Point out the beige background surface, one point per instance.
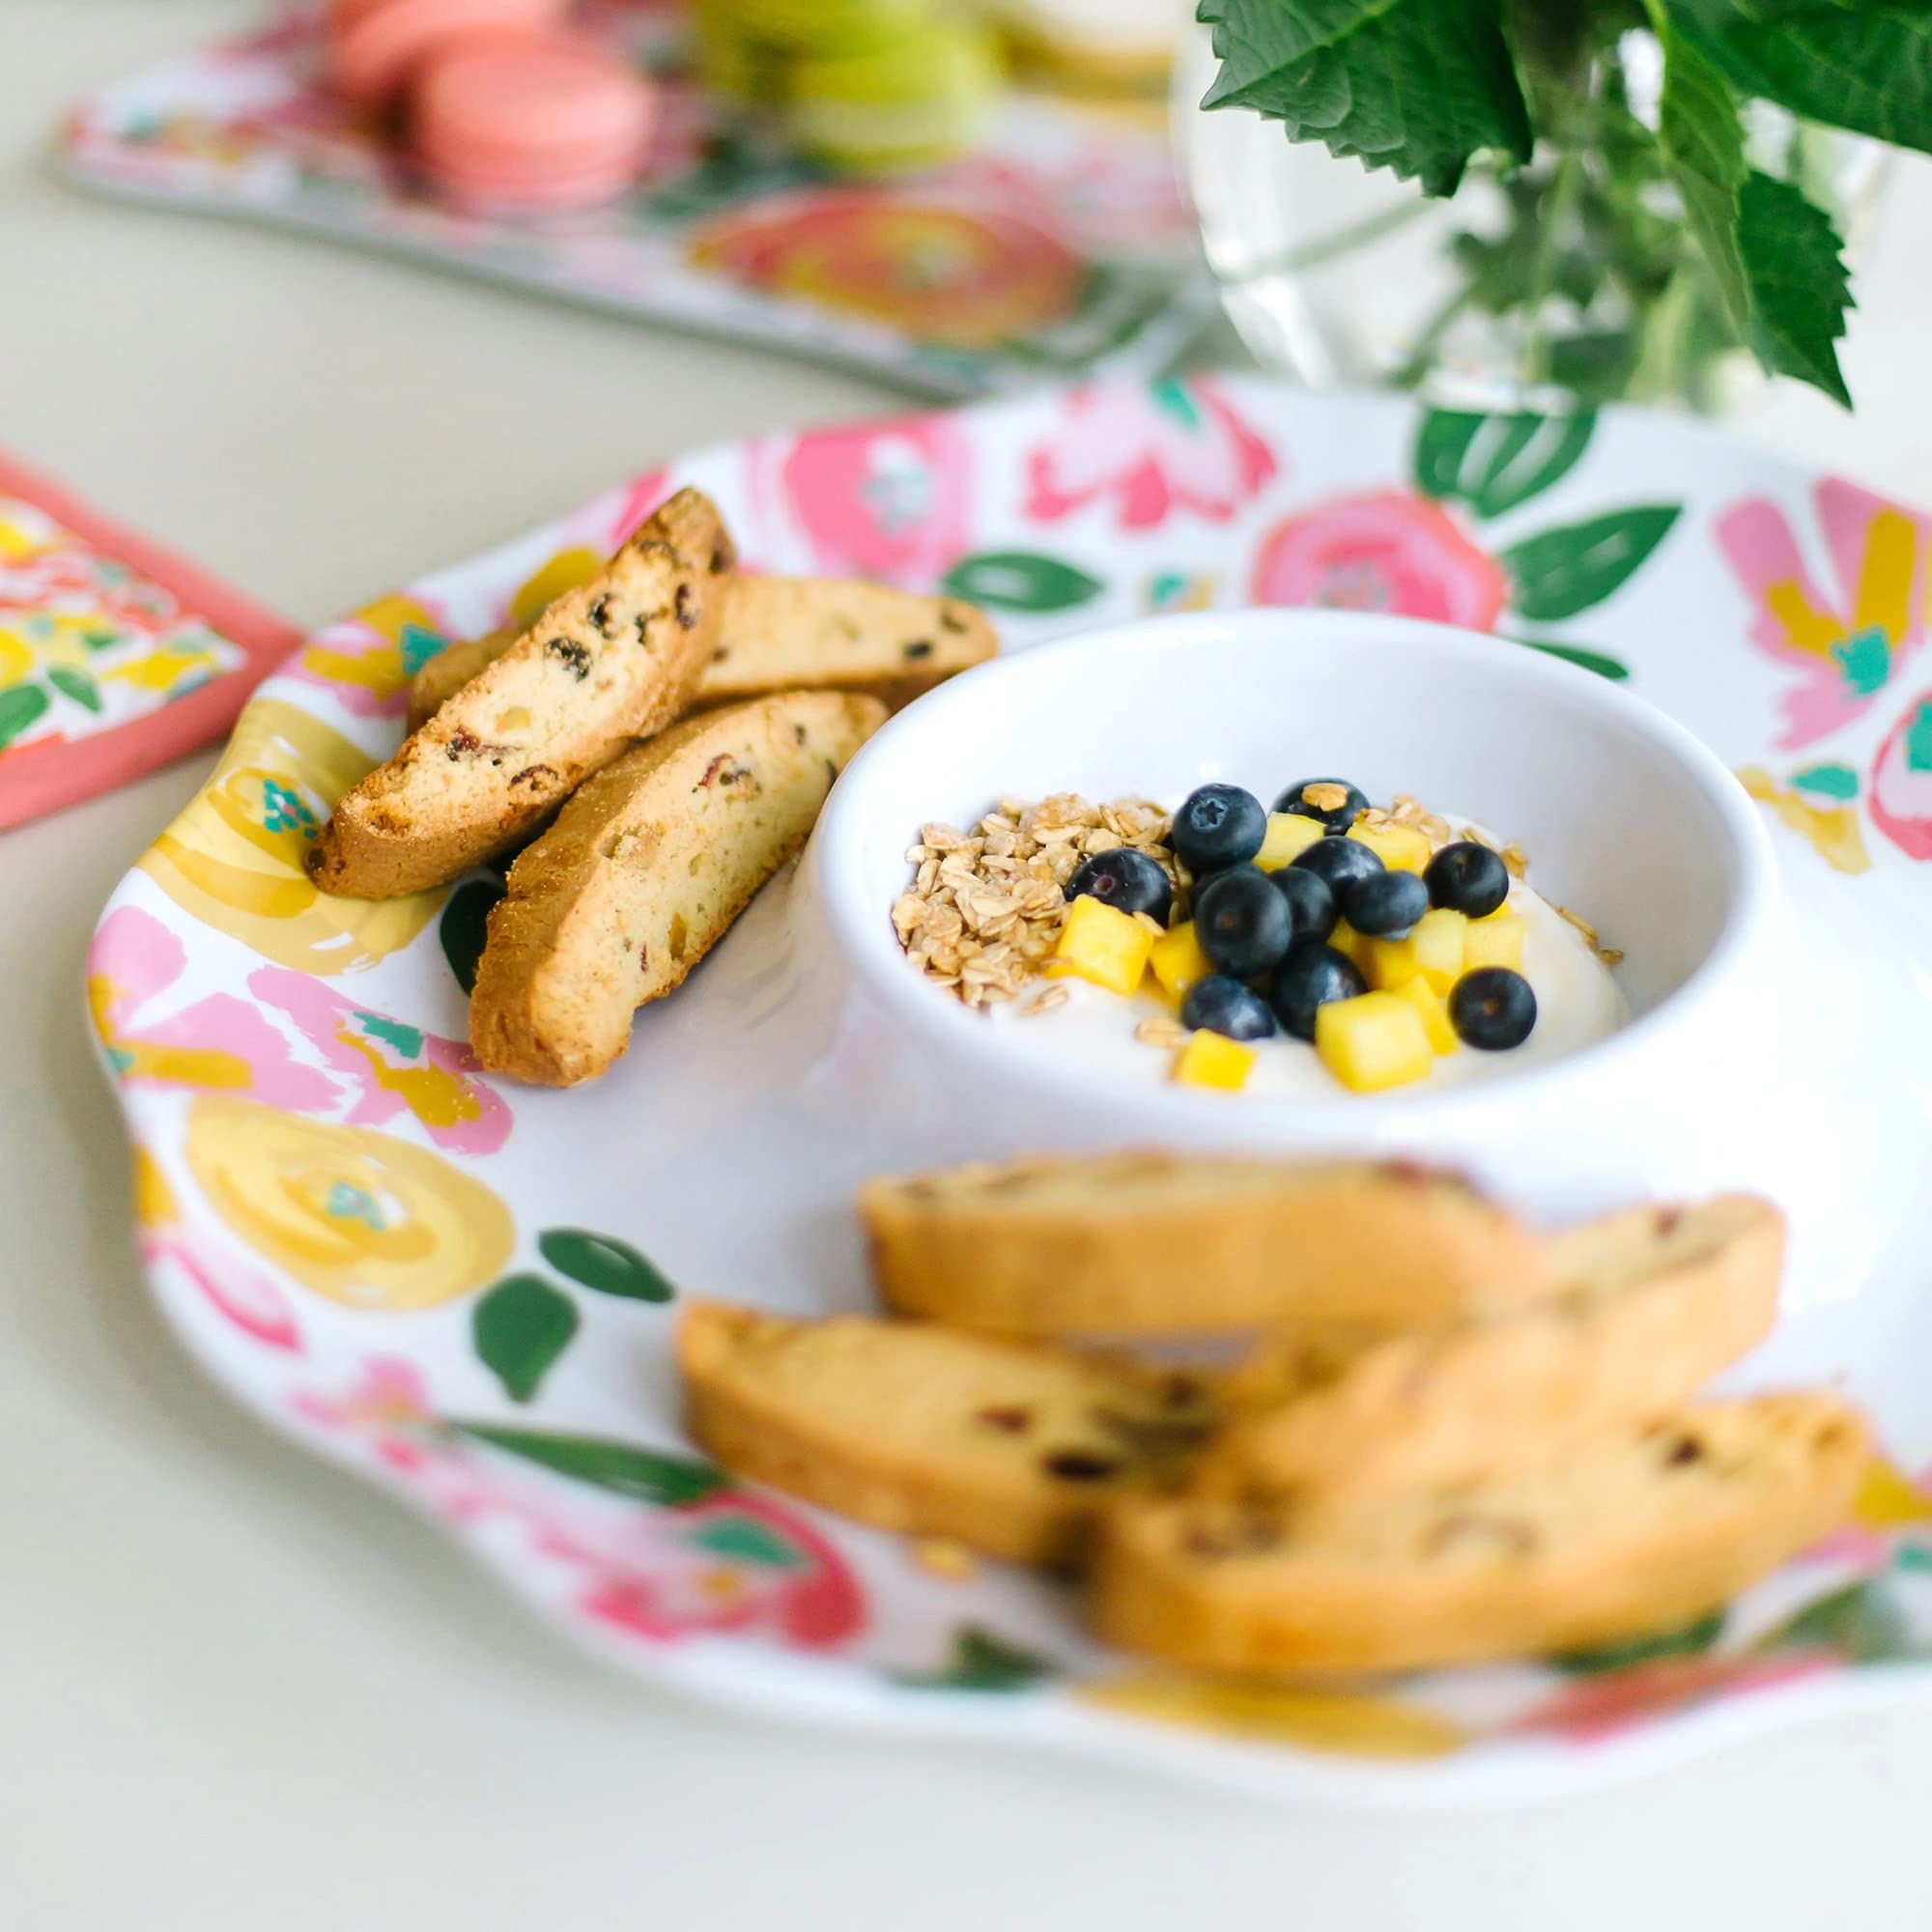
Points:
(239, 1690)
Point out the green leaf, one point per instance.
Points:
(1418, 86)
(982, 1660)
(744, 1539)
(646, 1475)
(19, 707)
(1495, 463)
(1571, 568)
(76, 685)
(466, 921)
(1828, 780)
(1857, 64)
(1703, 144)
(1019, 580)
(1799, 288)
(604, 1263)
(1690, 1640)
(1862, 1621)
(1599, 662)
(519, 1327)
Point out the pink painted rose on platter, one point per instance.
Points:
(888, 500)
(1390, 551)
(1151, 451)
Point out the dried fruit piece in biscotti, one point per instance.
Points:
(643, 871)
(1655, 1302)
(1007, 1446)
(1138, 1242)
(1638, 1533)
(614, 659)
(785, 633)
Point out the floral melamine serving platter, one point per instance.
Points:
(464, 1289)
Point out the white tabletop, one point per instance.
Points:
(237, 1689)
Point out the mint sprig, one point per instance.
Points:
(1614, 291)
(1417, 86)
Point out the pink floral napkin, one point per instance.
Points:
(115, 656)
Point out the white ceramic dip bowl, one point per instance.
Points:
(1623, 813)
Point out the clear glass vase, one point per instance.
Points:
(1485, 299)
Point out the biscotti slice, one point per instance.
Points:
(643, 871)
(1639, 1533)
(1655, 1303)
(1138, 1241)
(1005, 1447)
(612, 660)
(788, 633)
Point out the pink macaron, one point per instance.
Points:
(376, 47)
(530, 121)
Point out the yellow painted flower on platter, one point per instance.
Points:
(359, 1216)
(233, 857)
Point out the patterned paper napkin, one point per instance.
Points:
(114, 654)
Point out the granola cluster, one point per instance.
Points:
(985, 912)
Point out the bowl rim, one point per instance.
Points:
(862, 929)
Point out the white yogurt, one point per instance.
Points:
(1577, 1001)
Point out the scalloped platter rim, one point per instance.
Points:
(458, 1287)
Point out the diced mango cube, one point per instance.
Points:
(1102, 944)
(1289, 834)
(1349, 942)
(1402, 848)
(1213, 1059)
(1437, 943)
(1177, 961)
(1496, 941)
(1373, 1042)
(1389, 963)
(1434, 1007)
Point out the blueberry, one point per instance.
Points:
(1311, 975)
(1125, 879)
(1217, 826)
(1223, 1004)
(1311, 905)
(1385, 904)
(1336, 817)
(1241, 923)
(1467, 878)
(1493, 1009)
(1337, 861)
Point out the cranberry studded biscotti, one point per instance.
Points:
(1638, 1532)
(1144, 1241)
(612, 660)
(1005, 1447)
(643, 871)
(1653, 1302)
(787, 634)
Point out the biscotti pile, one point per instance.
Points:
(1455, 1440)
(676, 727)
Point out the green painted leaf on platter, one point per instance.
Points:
(982, 1660)
(1862, 1622)
(1599, 662)
(1689, 1640)
(1495, 463)
(1018, 579)
(603, 1263)
(646, 1475)
(519, 1327)
(465, 921)
(1576, 566)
